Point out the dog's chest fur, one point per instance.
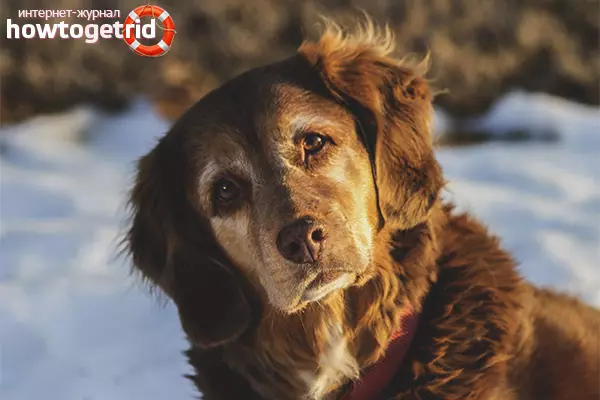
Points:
(308, 359)
(336, 364)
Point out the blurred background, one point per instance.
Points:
(518, 132)
(480, 50)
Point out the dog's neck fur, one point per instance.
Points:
(469, 322)
(314, 353)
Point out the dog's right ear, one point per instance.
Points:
(392, 106)
(173, 248)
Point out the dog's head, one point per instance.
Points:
(277, 184)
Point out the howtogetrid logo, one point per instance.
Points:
(131, 30)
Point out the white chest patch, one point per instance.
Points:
(335, 364)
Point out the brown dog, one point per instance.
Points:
(293, 215)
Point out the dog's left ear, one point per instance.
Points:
(392, 105)
(173, 247)
(213, 308)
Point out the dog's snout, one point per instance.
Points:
(301, 241)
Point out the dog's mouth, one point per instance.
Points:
(325, 283)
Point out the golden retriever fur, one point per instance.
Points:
(338, 138)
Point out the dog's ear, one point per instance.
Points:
(172, 246)
(212, 306)
(392, 106)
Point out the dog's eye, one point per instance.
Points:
(226, 190)
(313, 143)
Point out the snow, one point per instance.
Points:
(76, 325)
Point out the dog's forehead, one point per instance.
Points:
(251, 124)
(294, 108)
(263, 109)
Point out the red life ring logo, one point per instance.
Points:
(131, 28)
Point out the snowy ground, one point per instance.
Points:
(74, 325)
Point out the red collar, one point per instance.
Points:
(376, 378)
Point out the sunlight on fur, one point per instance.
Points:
(363, 34)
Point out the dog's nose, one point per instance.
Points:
(301, 241)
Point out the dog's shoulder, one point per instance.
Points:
(553, 345)
(469, 321)
(488, 334)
